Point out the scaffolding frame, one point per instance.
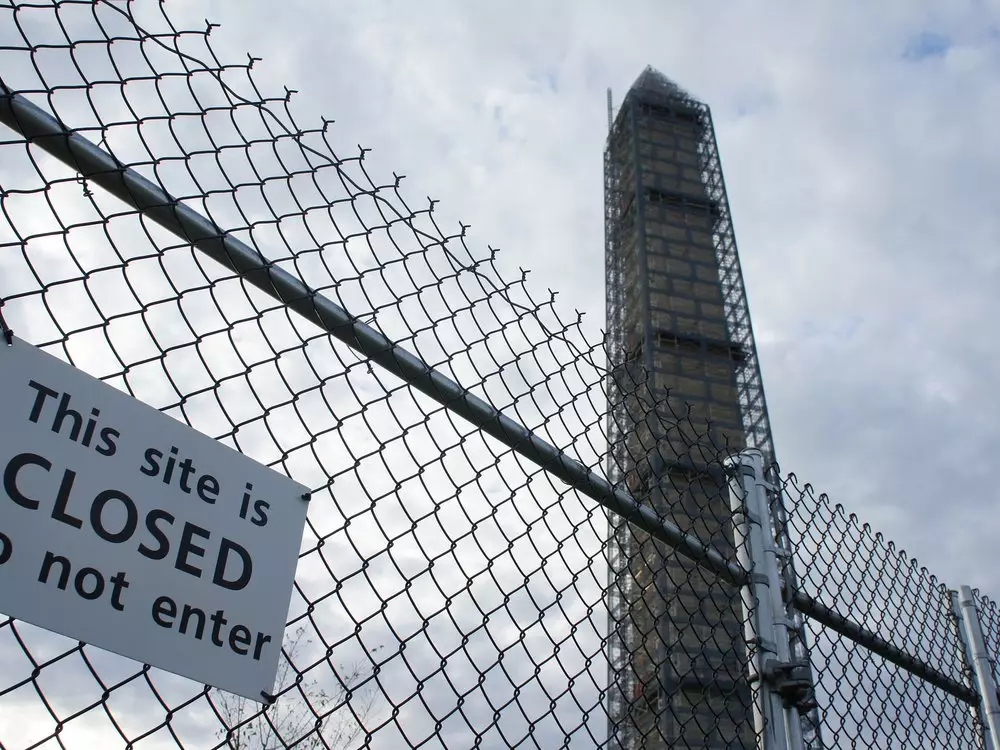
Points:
(652, 88)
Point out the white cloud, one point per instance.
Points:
(859, 181)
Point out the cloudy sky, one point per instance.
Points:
(858, 143)
(859, 153)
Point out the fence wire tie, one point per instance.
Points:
(793, 682)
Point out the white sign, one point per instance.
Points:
(126, 529)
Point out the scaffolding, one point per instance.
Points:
(680, 343)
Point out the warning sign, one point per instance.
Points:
(126, 529)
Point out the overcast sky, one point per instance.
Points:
(859, 150)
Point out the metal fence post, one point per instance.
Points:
(965, 658)
(978, 660)
(776, 722)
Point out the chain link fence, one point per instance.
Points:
(902, 680)
(168, 227)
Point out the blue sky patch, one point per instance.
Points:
(927, 44)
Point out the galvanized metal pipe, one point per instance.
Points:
(975, 643)
(822, 614)
(761, 595)
(965, 655)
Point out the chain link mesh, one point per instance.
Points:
(853, 569)
(848, 567)
(450, 592)
(867, 701)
